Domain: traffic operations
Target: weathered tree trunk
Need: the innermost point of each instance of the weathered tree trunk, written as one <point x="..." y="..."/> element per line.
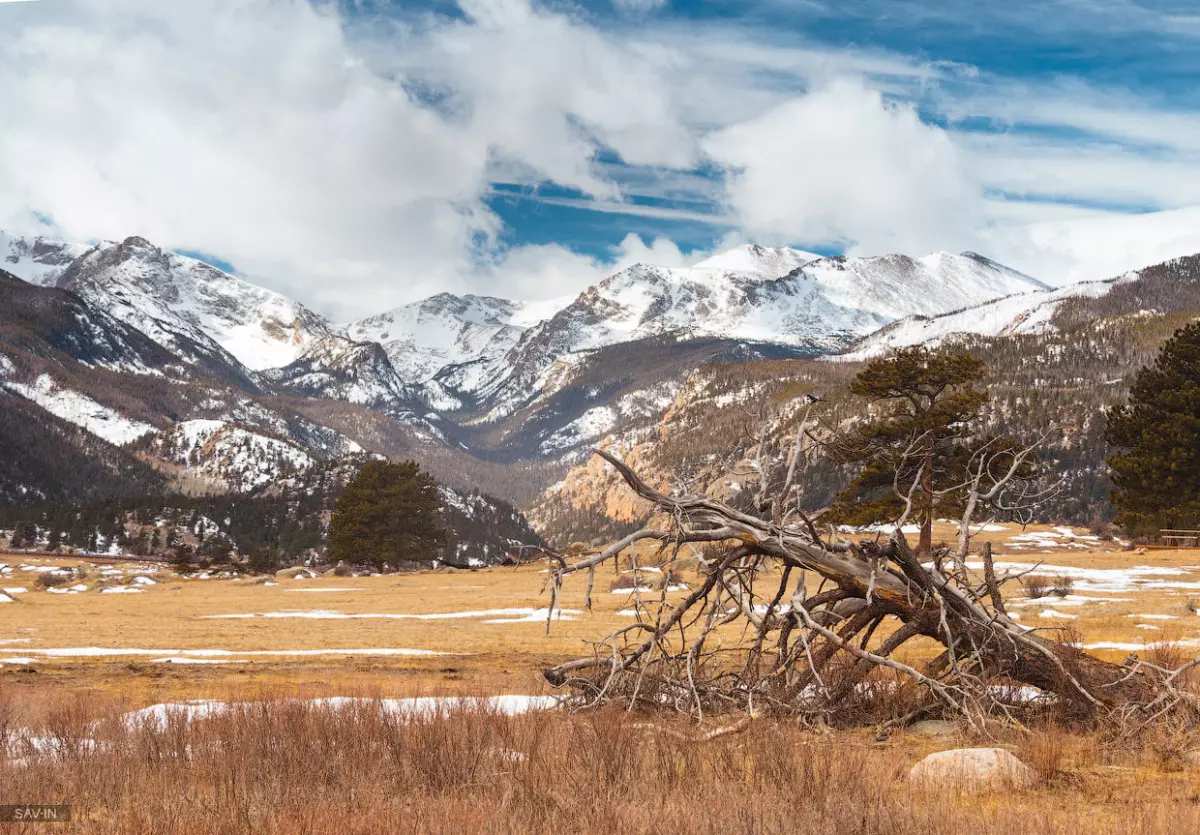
<point x="925" y="543"/>
<point x="823" y="658"/>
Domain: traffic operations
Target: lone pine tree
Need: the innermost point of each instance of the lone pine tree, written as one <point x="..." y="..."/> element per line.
<point x="1156" y="441"/>
<point x="389" y="513"/>
<point x="917" y="444"/>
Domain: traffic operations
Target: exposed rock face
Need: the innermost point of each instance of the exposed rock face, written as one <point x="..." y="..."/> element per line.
<point x="973" y="769"/>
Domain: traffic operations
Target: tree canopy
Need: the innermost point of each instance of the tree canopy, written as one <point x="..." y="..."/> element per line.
<point x="389" y="513"/>
<point x="916" y="445"/>
<point x="1155" y="440"/>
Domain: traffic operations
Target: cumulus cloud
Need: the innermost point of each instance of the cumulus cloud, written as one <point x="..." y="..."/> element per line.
<point x="263" y="132"/>
<point x="553" y="271"/>
<point x="1096" y="245"/>
<point x="842" y="164"/>
<point x="351" y="166"/>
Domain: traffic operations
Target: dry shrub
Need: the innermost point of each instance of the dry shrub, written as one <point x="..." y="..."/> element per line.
<point x="53" y="579"/>
<point x="1036" y="585"/>
<point x="343" y="570"/>
<point x="1061" y="585"/>
<point x="626" y="582"/>
<point x="1040" y="585"/>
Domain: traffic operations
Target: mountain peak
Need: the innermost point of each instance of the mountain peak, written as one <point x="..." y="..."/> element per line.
<point x="758" y="261"/>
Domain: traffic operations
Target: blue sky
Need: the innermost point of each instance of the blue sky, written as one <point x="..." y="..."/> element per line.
<point x="364" y="154"/>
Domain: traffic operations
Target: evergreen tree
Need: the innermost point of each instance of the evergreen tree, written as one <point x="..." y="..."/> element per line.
<point x="926" y="402"/>
<point x="1156" y="441"/>
<point x="388" y="513"/>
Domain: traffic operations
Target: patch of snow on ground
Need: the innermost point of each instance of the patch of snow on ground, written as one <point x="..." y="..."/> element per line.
<point x="418" y="707"/>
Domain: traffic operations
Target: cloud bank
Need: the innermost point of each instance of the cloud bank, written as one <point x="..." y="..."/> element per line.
<point x="351" y="165"/>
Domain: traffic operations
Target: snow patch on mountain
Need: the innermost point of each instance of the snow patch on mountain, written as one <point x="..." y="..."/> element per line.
<point x="81" y="410"/>
<point x="236" y="455"/>
<point x="1023" y="313"/>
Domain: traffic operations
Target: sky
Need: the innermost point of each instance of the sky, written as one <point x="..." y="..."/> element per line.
<point x="363" y="154"/>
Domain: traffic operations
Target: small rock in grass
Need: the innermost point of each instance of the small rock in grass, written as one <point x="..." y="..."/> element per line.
<point x="972" y="768"/>
<point x="295" y="572"/>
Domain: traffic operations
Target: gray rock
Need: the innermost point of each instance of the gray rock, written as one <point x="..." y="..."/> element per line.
<point x="294" y="572"/>
<point x="973" y="769"/>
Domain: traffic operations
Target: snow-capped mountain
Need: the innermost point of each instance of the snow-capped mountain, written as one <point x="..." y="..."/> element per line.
<point x="37" y="260"/>
<point x="821" y="306"/>
<point x="423" y="337"/>
<point x="182" y="303"/>
<point x="356" y="372"/>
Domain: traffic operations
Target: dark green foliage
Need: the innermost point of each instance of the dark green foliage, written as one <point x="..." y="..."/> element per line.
<point x="389" y="513"/>
<point x="482" y="530"/>
<point x="47" y="459"/>
<point x="1156" y="441"/>
<point x="916" y="445"/>
<point x="264" y="560"/>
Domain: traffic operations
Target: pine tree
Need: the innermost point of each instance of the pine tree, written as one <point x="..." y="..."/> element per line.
<point x="1156" y="441"/>
<point x="926" y="401"/>
<point x="389" y="513"/>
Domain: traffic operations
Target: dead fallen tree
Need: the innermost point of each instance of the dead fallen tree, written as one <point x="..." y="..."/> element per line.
<point x="752" y="636"/>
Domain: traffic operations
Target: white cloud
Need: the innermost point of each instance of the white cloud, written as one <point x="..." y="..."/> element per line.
<point x="842" y="164"/>
<point x="262" y="132"/>
<point x="1096" y="246"/>
<point x="553" y="271"/>
<point x="351" y="168"/>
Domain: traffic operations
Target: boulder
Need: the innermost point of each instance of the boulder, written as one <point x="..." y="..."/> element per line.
<point x="294" y="572"/>
<point x="972" y="768"/>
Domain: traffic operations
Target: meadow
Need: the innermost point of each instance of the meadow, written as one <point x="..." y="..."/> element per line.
<point x="290" y="714"/>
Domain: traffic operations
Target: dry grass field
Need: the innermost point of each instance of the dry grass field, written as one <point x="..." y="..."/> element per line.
<point x="71" y="662"/>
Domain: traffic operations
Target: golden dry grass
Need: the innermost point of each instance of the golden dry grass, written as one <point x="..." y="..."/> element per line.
<point x="285" y="768"/>
<point x="478" y="656"/>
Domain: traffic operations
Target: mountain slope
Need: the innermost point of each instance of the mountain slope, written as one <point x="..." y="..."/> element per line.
<point x="187" y="305"/>
<point x="1056" y="364"/>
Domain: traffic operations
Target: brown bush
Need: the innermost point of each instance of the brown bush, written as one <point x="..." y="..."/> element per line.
<point x="1039" y="585"/>
<point x="53" y="579"/>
